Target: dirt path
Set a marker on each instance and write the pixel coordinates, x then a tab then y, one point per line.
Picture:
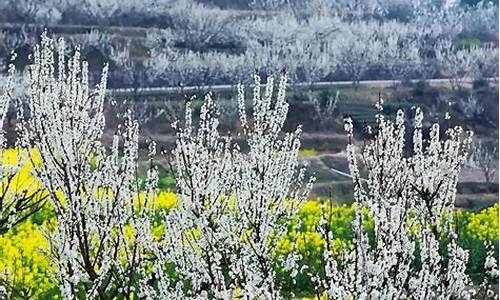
436	82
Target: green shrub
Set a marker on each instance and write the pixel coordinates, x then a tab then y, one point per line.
421	88
480	84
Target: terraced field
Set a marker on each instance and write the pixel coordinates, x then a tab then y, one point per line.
328	140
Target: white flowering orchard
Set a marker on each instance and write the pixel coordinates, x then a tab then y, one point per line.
236	199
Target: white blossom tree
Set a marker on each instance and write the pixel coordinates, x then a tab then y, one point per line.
234	205
455	64
470	106
359	50
400	50
324	113
484	158
484	61
97	243
410	200
131	71
33	10
197	27
471	63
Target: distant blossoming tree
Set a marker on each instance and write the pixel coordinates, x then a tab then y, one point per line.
324	113
460	65
484	158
